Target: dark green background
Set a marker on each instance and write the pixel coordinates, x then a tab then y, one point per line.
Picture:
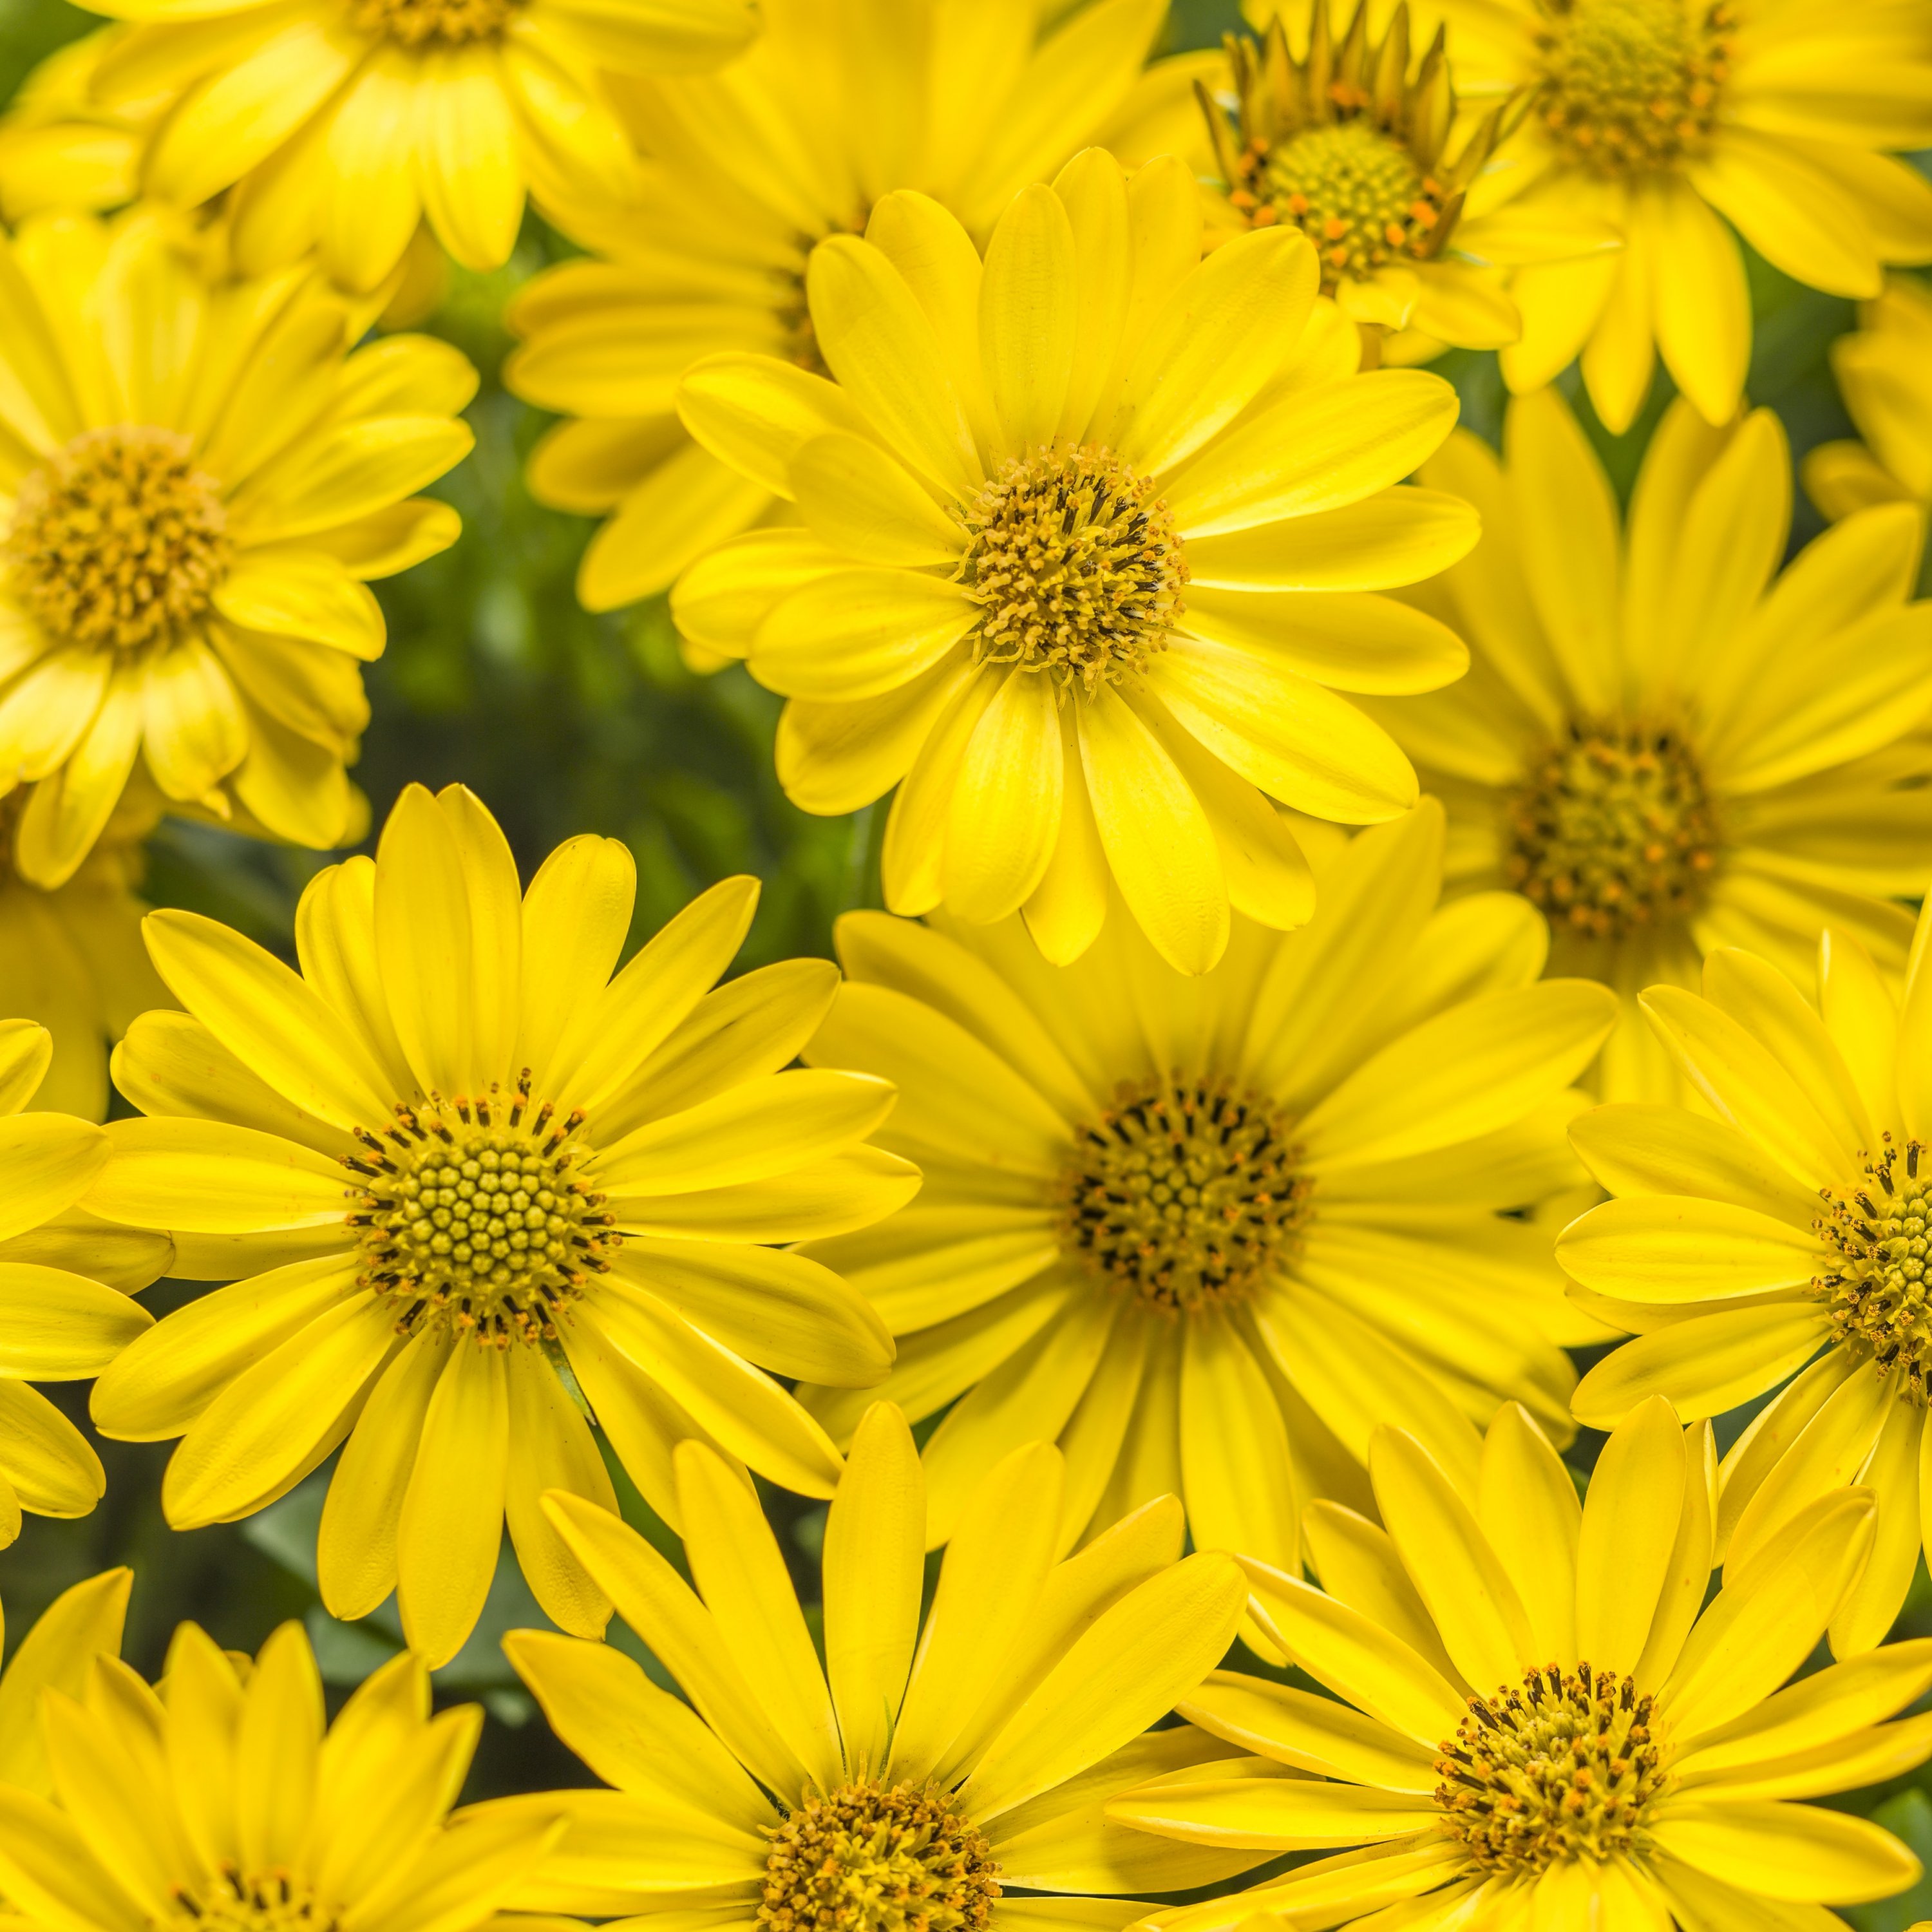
564	723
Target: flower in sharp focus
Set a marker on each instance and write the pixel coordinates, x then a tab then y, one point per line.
1668	119
198	480
1885	375
1360	145
1208	1234
1789	1230
1530	1720
220	1803
66	1281
467	1193
1663	741
339	125
1063	518
834	105
916	1777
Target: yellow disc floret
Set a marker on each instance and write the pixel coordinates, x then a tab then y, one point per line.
236	1901
1631	86
415	23
871	1857
1184	1193
1355	191
474	1218
1881	1230
1613	831
118	540
1076	564
1562	1769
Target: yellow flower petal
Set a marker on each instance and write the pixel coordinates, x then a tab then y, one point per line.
1029	313
277	1420
452	1519
1797	1851
887	358
1670	1248
1141	1654
740	1572
1321	451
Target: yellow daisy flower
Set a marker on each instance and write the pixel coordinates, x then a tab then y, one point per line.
1207	1234
1664	742
226	1800
917	1775
1668	119
1535	1719
66	1285
467	1194
339	124
196	483
1787	1231
1339	132
83	1622
837	103
1885	375
1091	542
73	958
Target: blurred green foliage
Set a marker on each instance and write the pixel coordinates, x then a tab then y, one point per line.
565	722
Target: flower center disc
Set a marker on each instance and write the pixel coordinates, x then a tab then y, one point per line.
873	1858
473	1217
1631	86
1184	1194
414	22
1356	192
236	1903
1076	565
1613	831
118	539
1878	1293
1560	1769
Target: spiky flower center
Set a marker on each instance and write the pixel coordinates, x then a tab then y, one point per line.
871	1857
1880	1231
1354	191
474	1215
1184	1193
235	1901
1075	562
414	23
118	539
1631	86
1613	830
1562	1768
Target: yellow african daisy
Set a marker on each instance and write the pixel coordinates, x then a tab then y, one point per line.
338	125
834	105
73	959
1531	1722
1664	742
196	483
1091	541
1789	1230
1341	131
915	1776
226	1801
1206	1234
469	1195
1885	375
1668	119
83	1622
66	1285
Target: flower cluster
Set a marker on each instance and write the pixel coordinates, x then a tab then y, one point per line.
1325	1318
